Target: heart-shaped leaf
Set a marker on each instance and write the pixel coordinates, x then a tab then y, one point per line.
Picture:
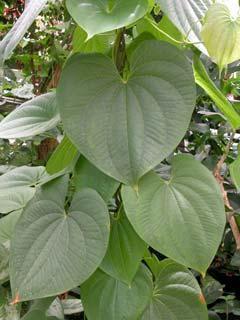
176	295
17	187
125	250
184	217
188	16
96	16
53	251
31	118
221	34
105	298
127	127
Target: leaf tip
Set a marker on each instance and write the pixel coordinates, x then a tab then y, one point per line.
16	299
202	298
136	189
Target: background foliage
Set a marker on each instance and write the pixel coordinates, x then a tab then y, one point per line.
40	140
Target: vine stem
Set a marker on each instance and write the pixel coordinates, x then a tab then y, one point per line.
230	215
119	50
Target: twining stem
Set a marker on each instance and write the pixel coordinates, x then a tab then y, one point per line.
119	51
230	214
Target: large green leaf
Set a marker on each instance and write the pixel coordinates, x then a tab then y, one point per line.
125	250
98	16
187	15
14	36
125	127
221	33
17	187
53	250
105	298
204	81
64	155
31	118
7	226
100	43
176	295
184	217
87	175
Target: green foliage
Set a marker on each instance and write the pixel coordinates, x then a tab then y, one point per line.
125	250
134	114
32	118
18	187
62	157
98	43
87	175
221	33
176	295
68	244
203	80
146	165
234	171
97	17
107	298
182	217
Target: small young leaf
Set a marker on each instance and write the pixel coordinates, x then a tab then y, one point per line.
97	17
31	118
125	250
53	251
184	217
176	295
221	34
105	298
62	157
